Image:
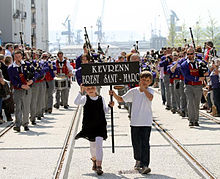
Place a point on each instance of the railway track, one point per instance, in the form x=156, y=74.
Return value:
x=214, y=119
x=6, y=129
x=194, y=163
x=62, y=168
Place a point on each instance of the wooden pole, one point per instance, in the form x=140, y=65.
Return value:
x=112, y=124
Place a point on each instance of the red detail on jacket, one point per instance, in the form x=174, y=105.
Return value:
x=48, y=76
x=23, y=80
x=64, y=68
x=181, y=77
x=194, y=72
x=171, y=80
x=207, y=55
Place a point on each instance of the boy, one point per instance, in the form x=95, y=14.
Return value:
x=141, y=120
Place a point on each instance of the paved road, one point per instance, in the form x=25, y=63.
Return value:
x=35, y=154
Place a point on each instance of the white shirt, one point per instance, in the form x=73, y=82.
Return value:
x=141, y=112
x=81, y=100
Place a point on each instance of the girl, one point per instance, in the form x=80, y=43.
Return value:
x=94, y=123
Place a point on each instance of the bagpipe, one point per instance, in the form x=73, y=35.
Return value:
x=136, y=48
x=22, y=44
x=191, y=34
x=103, y=55
x=89, y=46
x=202, y=65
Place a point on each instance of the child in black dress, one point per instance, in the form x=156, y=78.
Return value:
x=94, y=123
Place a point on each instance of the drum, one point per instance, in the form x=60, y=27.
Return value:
x=61, y=83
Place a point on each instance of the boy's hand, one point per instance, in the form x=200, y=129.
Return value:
x=111, y=103
x=111, y=93
x=82, y=88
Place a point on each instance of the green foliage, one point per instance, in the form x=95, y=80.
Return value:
x=198, y=33
x=182, y=37
x=172, y=35
x=212, y=32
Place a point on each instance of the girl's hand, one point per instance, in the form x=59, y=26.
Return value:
x=111, y=103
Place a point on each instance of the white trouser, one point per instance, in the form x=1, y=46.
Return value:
x=96, y=148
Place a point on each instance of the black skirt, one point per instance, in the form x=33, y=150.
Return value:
x=94, y=122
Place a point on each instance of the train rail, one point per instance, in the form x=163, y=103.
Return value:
x=194, y=163
x=202, y=113
x=62, y=168
x=6, y=129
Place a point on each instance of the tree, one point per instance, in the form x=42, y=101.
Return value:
x=172, y=35
x=182, y=37
x=198, y=33
x=212, y=32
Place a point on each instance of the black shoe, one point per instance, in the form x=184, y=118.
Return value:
x=17, y=129
x=94, y=164
x=99, y=170
x=191, y=124
x=173, y=110
x=119, y=107
x=145, y=170
x=66, y=107
x=196, y=124
x=56, y=106
x=49, y=110
x=217, y=115
x=9, y=119
x=33, y=123
x=61, y=104
x=183, y=114
x=168, y=108
x=38, y=118
x=26, y=128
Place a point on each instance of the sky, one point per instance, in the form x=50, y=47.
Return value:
x=127, y=19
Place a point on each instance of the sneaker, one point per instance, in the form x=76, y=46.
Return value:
x=145, y=170
x=94, y=164
x=191, y=124
x=196, y=124
x=17, y=129
x=26, y=128
x=99, y=170
x=137, y=165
